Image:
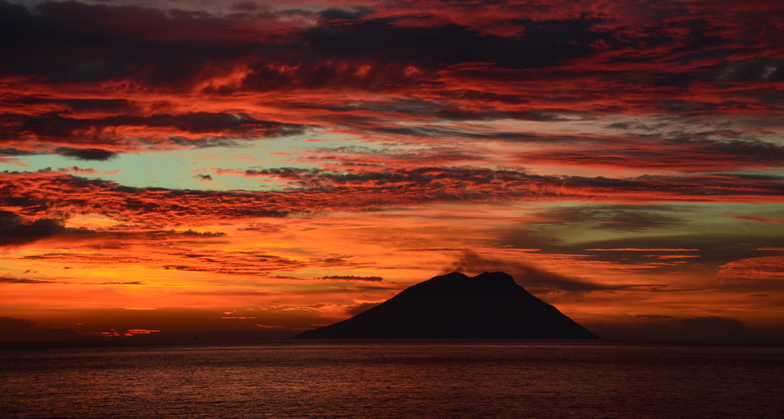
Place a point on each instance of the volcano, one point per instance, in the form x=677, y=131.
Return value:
x=487, y=306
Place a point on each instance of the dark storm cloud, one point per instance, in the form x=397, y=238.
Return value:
x=441, y=109
x=205, y=142
x=15, y=230
x=446, y=69
x=86, y=153
x=246, y=6
x=115, y=106
x=16, y=152
x=283, y=172
x=759, y=70
x=137, y=47
x=344, y=14
x=202, y=122
x=59, y=127
x=71, y=41
x=751, y=150
x=545, y=43
x=174, y=48
x=385, y=54
x=301, y=73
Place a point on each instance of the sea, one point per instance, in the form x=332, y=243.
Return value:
x=394, y=379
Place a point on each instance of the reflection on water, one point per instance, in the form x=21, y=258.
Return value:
x=419, y=379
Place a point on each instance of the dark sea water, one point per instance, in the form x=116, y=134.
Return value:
x=390, y=380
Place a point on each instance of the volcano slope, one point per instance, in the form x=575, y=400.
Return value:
x=487, y=306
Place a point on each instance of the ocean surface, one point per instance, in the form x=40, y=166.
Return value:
x=422, y=379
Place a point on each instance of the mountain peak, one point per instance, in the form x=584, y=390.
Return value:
x=496, y=276
x=452, y=276
x=454, y=305
x=487, y=276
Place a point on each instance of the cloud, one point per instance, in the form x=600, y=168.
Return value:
x=89, y=43
x=617, y=217
x=51, y=195
x=86, y=154
x=122, y=283
x=471, y=183
x=546, y=42
x=7, y=280
x=352, y=278
x=756, y=268
x=755, y=218
x=759, y=70
x=89, y=171
x=15, y=230
x=129, y=132
x=238, y=73
x=657, y=151
x=531, y=277
x=13, y=161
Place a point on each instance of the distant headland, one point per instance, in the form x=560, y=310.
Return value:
x=487, y=306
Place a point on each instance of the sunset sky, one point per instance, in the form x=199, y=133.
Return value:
x=185, y=166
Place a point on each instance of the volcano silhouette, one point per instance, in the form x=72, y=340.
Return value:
x=490, y=305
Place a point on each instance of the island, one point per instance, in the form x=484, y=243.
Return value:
x=488, y=306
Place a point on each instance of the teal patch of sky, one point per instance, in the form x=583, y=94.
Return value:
x=686, y=219
x=179, y=169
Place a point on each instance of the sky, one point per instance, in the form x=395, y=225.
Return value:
x=188, y=166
